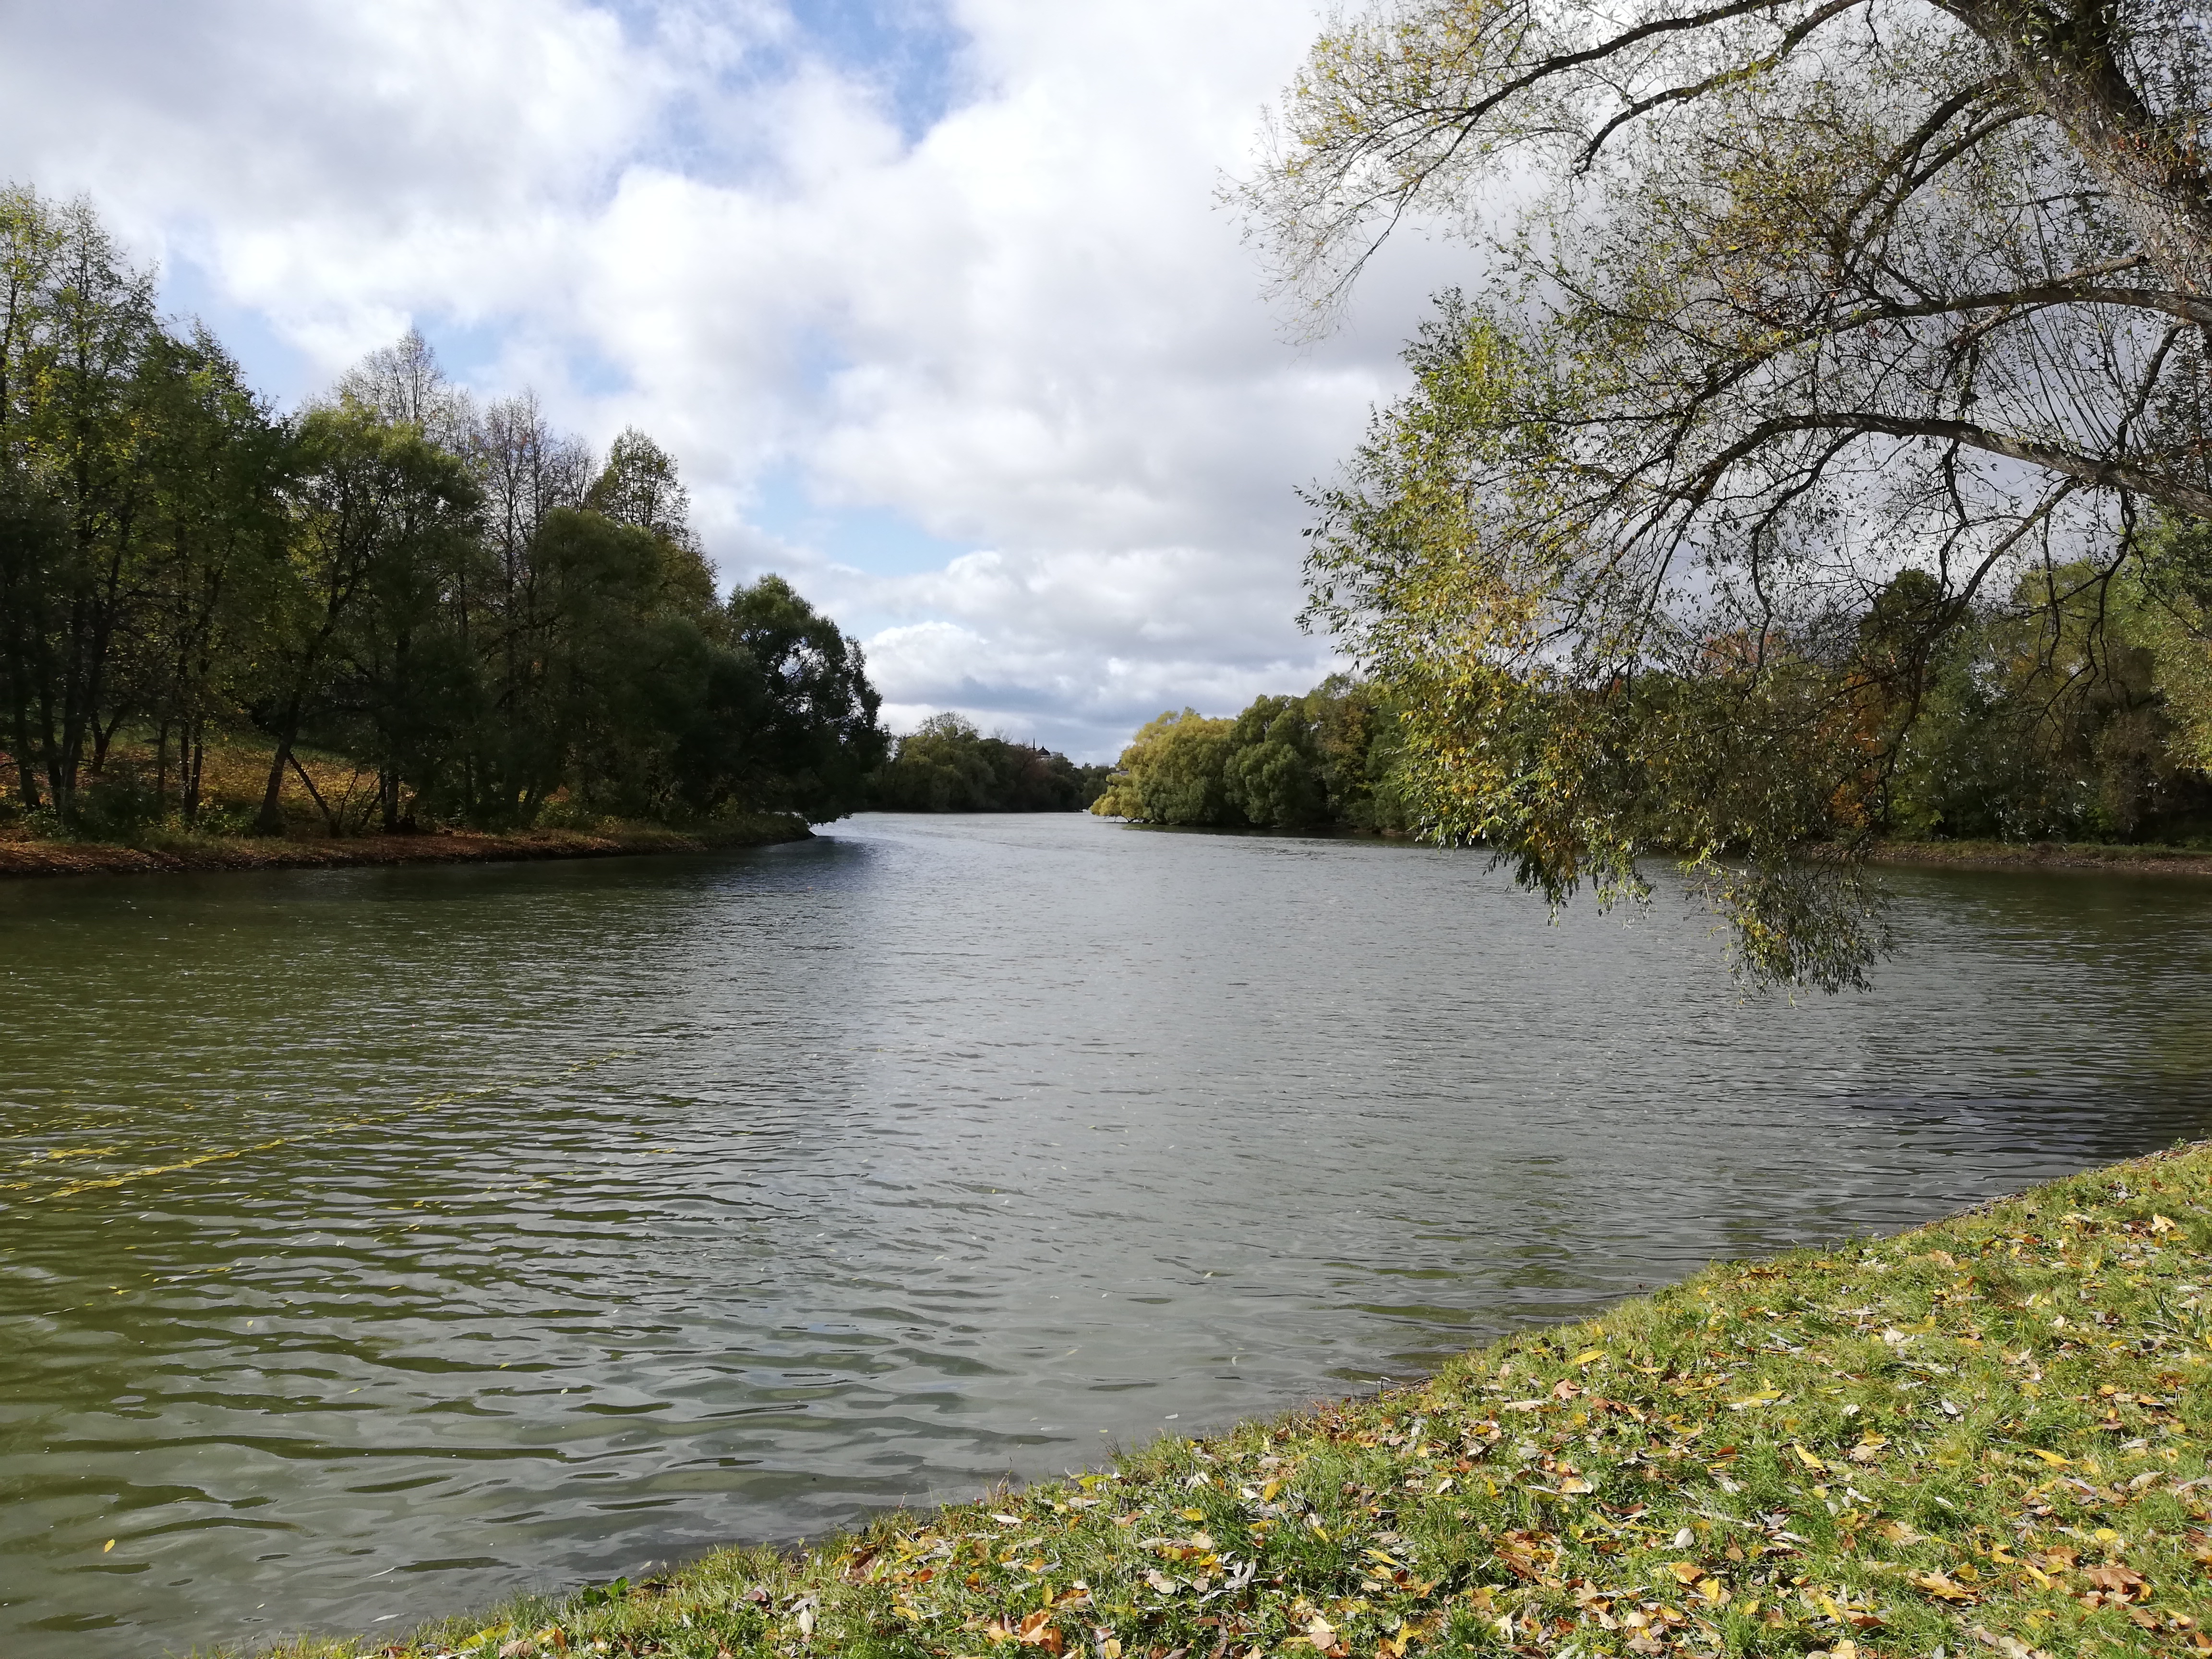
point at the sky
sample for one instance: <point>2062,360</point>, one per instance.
<point>936,304</point>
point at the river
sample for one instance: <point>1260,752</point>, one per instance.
<point>374,1242</point>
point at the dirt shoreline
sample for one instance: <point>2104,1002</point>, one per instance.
<point>35,858</point>
<point>2045,855</point>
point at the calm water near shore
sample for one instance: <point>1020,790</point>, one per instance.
<point>376,1242</point>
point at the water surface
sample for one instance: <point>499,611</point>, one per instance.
<point>372,1243</point>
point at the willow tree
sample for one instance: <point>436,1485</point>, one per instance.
<point>1780,300</point>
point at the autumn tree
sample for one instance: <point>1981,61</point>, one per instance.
<point>1779,298</point>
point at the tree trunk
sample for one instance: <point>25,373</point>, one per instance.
<point>191,779</point>
<point>2153,170</point>
<point>271,819</point>
<point>330,819</point>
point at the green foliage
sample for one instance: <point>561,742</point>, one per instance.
<point>814,739</point>
<point>1779,298</point>
<point>945,765</point>
<point>2067,714</point>
<point>1331,758</point>
<point>1574,728</point>
<point>463,604</point>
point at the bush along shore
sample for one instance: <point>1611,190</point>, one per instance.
<point>1986,1435</point>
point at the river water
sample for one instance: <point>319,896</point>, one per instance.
<point>374,1242</point>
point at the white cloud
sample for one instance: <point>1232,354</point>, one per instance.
<point>1020,327</point>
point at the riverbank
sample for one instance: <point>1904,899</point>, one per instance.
<point>2046,855</point>
<point>1987,1435</point>
<point>182,852</point>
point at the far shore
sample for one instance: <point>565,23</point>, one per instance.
<point>2046,855</point>
<point>182,853</point>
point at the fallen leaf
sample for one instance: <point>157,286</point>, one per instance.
<point>2121,1582</point>
<point>1942,1585</point>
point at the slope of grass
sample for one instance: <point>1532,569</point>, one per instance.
<point>1985,1436</point>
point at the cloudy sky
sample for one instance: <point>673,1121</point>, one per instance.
<point>933,302</point>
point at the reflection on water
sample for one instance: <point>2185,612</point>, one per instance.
<point>377,1242</point>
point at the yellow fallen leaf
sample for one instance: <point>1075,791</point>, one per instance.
<point>1938,1584</point>
<point>109,1546</point>
<point>2051,1458</point>
<point>1688,1572</point>
<point>1806,1457</point>
<point>1763,1397</point>
<point>2160,1223</point>
<point>1588,1355</point>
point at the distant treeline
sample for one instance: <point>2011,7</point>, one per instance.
<point>947,765</point>
<point>1327,759</point>
<point>2077,712</point>
<point>477,608</point>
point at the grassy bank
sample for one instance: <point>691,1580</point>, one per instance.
<point>341,797</point>
<point>1985,1436</point>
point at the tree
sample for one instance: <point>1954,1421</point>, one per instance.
<point>945,765</point>
<point>462,601</point>
<point>1273,776</point>
<point>527,472</point>
<point>77,323</point>
<point>1174,771</point>
<point>628,669</point>
<point>404,385</point>
<point>1785,296</point>
<point>804,737</point>
<point>377,510</point>
<point>215,543</point>
<point>639,486</point>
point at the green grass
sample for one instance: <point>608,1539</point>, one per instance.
<point>1986,1435</point>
